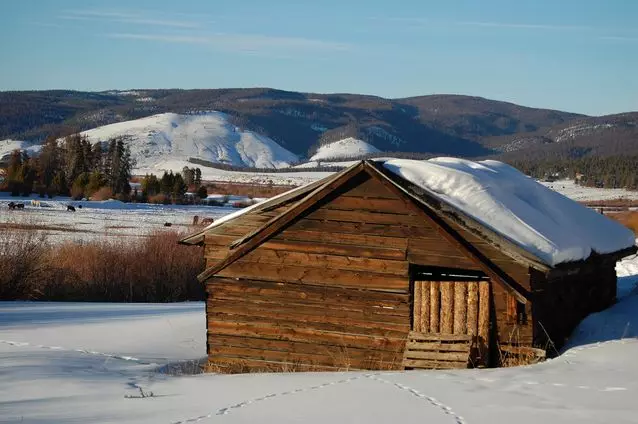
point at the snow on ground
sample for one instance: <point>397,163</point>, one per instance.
<point>546,224</point>
<point>74,362</point>
<point>346,148</point>
<point>206,135</point>
<point>99,219</point>
<point>215,174</point>
<point>584,194</point>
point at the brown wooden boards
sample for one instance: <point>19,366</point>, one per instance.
<point>437,351</point>
<point>453,309</point>
<point>284,323</point>
<point>421,315</point>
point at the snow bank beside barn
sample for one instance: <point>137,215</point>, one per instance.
<point>545,223</point>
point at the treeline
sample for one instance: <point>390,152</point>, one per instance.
<point>73,167</point>
<point>171,188</point>
<point>591,171</point>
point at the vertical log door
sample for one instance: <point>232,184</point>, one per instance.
<point>450,325</point>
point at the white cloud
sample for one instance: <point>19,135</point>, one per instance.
<point>254,43</point>
<point>526,26</point>
<point>132,18</point>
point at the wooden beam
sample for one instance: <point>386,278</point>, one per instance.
<point>253,239</point>
<point>472,308</point>
<point>435,306</point>
<point>447,307</point>
<point>460,307</point>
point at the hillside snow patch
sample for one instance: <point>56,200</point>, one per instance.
<point>346,148</point>
<point>8,146</point>
<point>207,136</point>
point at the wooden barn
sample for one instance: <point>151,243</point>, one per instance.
<point>368,270</point>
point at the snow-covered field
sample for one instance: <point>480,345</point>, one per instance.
<point>97,220</point>
<point>91,363</point>
<point>86,363</point>
<point>584,194</point>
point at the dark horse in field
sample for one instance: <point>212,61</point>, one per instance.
<point>13,205</point>
<point>70,208</point>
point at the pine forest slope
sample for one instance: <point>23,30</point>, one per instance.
<point>302,122</point>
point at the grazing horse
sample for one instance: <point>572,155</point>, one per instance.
<point>70,208</point>
<point>20,205</point>
<point>167,224</point>
<point>11,205</point>
<point>206,221</point>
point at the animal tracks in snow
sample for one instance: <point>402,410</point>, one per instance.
<point>446,409</point>
<point>84,351</point>
<point>228,409</point>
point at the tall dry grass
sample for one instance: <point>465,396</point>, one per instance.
<point>628,218</point>
<point>21,264</point>
<point>146,269</point>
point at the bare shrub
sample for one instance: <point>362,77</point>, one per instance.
<point>161,199</point>
<point>21,265</point>
<point>105,193</point>
<point>151,269</point>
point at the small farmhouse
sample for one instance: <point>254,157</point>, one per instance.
<point>403,264</point>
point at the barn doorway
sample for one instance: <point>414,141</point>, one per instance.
<point>450,319</point>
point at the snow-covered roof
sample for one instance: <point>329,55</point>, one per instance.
<point>543,222</point>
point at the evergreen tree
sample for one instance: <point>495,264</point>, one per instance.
<point>28,176</point>
<point>150,185</point>
<point>14,177</point>
<point>179,188</point>
<point>96,181</point>
<point>60,184</point>
<point>49,163</point>
<point>167,182</point>
<point>97,157</point>
<point>78,189</point>
<point>202,192</point>
<point>188,175</point>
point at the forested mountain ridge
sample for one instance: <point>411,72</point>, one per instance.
<point>593,136</point>
<point>300,122</point>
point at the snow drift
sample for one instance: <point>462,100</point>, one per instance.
<point>346,148</point>
<point>208,136</point>
<point>543,222</point>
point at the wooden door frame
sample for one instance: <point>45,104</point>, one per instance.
<point>483,339</point>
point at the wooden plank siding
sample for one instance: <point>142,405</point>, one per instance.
<point>295,323</point>
<point>331,288</point>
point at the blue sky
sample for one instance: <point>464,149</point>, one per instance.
<point>580,56</point>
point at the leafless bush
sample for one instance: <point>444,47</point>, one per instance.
<point>148,269</point>
<point>21,267</point>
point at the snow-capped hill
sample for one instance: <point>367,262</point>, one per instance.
<point>209,136</point>
<point>346,148</point>
<point>8,146</point>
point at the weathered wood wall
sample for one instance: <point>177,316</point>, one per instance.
<point>565,296</point>
<point>356,244</point>
<point>261,323</point>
